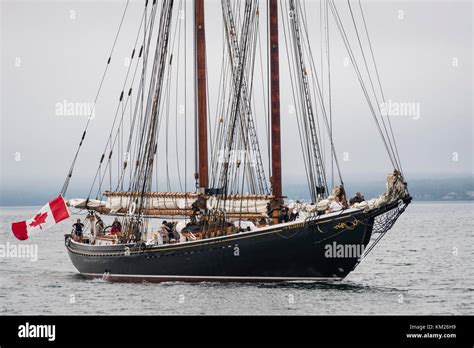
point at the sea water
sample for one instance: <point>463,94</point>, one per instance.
<point>424,265</point>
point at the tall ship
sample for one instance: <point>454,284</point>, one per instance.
<point>234,223</point>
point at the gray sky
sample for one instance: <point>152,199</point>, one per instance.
<point>53,52</point>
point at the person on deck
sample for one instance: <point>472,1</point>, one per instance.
<point>165,232</point>
<point>294,214</point>
<point>283,217</point>
<point>99,226</point>
<point>172,234</point>
<point>335,206</point>
<point>78,229</point>
<point>116,227</point>
<point>358,198</point>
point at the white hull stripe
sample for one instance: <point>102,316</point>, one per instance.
<point>144,276</point>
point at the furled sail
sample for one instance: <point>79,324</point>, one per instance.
<point>236,204</point>
<point>117,201</point>
<point>81,203</point>
<point>177,203</point>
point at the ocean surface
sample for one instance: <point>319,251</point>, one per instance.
<point>424,265</point>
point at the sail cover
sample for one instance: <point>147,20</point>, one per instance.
<point>118,201</point>
<point>174,202</point>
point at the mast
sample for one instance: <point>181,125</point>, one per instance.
<point>200,64</point>
<point>275,100</point>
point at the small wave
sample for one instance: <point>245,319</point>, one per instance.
<point>53,286</point>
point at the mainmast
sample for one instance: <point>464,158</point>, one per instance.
<point>201,103</point>
<point>275,100</point>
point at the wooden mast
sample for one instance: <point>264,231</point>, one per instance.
<point>200,45</point>
<point>275,100</point>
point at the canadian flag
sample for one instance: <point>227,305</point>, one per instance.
<point>52,213</point>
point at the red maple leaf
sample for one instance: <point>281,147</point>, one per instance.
<point>39,219</point>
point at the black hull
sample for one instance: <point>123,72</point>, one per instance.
<point>291,251</point>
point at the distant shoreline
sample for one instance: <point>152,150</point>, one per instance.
<point>455,189</point>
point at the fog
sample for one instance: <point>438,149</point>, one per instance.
<point>53,53</point>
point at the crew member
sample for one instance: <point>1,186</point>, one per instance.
<point>335,206</point>
<point>78,229</point>
<point>294,214</point>
<point>165,231</point>
<point>358,198</point>
<point>99,226</point>
<point>283,217</point>
<point>116,227</point>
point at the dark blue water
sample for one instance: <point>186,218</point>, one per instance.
<point>424,265</point>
